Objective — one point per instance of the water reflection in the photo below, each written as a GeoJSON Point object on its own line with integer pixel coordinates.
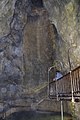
{"type": "Point", "coordinates": [30, 115]}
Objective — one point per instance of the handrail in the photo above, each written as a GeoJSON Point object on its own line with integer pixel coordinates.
{"type": "Point", "coordinates": [68, 82]}
{"type": "Point", "coordinates": [69, 72]}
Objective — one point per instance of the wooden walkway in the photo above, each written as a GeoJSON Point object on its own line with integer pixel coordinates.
{"type": "Point", "coordinates": [66, 86]}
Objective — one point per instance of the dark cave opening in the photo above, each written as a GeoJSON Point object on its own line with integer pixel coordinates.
{"type": "Point", "coordinates": [37, 3]}
{"type": "Point", "coordinates": [54, 29]}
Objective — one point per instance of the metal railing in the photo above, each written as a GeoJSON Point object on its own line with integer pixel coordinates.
{"type": "Point", "coordinates": [62, 86]}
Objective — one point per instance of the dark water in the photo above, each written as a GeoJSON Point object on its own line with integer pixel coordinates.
{"type": "Point", "coordinates": [36, 116]}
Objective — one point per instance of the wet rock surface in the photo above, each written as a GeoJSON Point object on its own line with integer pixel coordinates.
{"type": "Point", "coordinates": [29, 34]}
{"type": "Point", "coordinates": [6, 15]}
{"type": "Point", "coordinates": [37, 46]}
{"type": "Point", "coordinates": [26, 48]}
{"type": "Point", "coordinates": [11, 54]}
{"type": "Point", "coordinates": [65, 16]}
{"type": "Point", "coordinates": [18, 18]}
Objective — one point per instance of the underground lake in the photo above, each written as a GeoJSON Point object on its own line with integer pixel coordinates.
{"type": "Point", "coordinates": [37, 115]}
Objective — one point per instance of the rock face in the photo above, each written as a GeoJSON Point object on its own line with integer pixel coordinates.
{"type": "Point", "coordinates": [26, 48]}
{"type": "Point", "coordinates": [11, 52]}
{"type": "Point", "coordinates": [20, 21]}
{"type": "Point", "coordinates": [26, 45]}
{"type": "Point", "coordinates": [28, 39]}
{"type": "Point", "coordinates": [38, 47]}
{"type": "Point", "coordinates": [6, 14]}
{"type": "Point", "coordinates": [66, 18]}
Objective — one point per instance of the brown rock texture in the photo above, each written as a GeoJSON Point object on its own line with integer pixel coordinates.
{"type": "Point", "coordinates": [65, 15]}
{"type": "Point", "coordinates": [38, 47]}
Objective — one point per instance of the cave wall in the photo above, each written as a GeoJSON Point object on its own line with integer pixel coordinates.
{"type": "Point", "coordinates": [66, 18]}
{"type": "Point", "coordinates": [26, 45]}
{"type": "Point", "coordinates": [29, 34]}
{"type": "Point", "coordinates": [15, 14]}
{"type": "Point", "coordinates": [38, 47]}
{"type": "Point", "coordinates": [11, 53]}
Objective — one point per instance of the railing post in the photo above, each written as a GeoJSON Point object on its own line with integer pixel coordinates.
{"type": "Point", "coordinates": [56, 90]}
{"type": "Point", "coordinates": [48, 82]}
{"type": "Point", "coordinates": [61, 110]}
{"type": "Point", "coordinates": [71, 87]}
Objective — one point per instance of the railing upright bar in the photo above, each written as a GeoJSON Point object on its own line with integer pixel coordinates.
{"type": "Point", "coordinates": [56, 86]}
{"type": "Point", "coordinates": [68, 85]}
{"type": "Point", "coordinates": [78, 79]}
{"type": "Point", "coordinates": [73, 80]}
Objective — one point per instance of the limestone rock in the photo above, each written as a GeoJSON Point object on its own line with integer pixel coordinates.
{"type": "Point", "coordinates": [66, 18]}
{"type": "Point", "coordinates": [13, 15]}
{"type": "Point", "coordinates": [6, 13]}
{"type": "Point", "coordinates": [38, 47]}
